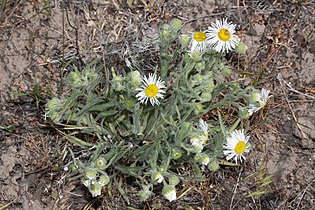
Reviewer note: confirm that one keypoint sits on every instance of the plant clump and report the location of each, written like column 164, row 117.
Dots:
column 116, row 130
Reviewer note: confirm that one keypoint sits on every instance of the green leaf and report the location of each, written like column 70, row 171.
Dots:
column 77, row 141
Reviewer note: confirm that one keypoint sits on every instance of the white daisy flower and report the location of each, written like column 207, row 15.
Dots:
column 262, row 99
column 198, row 41
column 151, row 88
column 221, row 36
column 237, row 144
column 199, row 140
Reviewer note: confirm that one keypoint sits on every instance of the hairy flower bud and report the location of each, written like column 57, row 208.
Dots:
column 54, row 104
column 74, row 167
column 254, row 97
column 243, row 113
column 100, row 163
column 176, row 24
column 95, row 189
column 169, row 192
column 196, row 56
column 74, row 79
column 198, row 109
column 184, row 40
column 176, row 153
column 86, row 182
column 241, row 48
column 90, row 174
column 173, row 180
column 156, row 176
column 213, row 166
column 135, row 79
column 145, row 193
column 104, row 180
column 204, row 159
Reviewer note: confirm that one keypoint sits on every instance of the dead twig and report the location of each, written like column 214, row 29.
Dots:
column 281, row 81
column 234, row 191
column 303, row 193
column 294, row 90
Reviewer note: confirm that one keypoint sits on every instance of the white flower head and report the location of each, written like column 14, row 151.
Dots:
column 237, row 144
column 169, row 192
column 204, row 127
column 222, row 37
column 197, row 141
column 199, row 41
column 262, row 99
column 151, row 88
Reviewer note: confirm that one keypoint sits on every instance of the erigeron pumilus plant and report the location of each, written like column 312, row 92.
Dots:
column 150, row 125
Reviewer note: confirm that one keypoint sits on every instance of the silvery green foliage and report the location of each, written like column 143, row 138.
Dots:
column 149, row 143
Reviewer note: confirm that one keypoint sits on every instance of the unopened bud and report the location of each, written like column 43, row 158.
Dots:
column 241, row 48
column 213, row 166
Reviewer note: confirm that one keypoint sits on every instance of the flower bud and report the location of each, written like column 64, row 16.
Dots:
column 165, row 35
column 169, row 192
column 173, row 180
column 213, row 166
column 100, row 163
column 255, row 96
column 90, row 174
column 243, row 113
column 117, row 79
column 184, row 40
column 86, row 182
column 129, row 103
column 241, row 48
column 176, row 153
column 74, row 167
column 95, row 189
column 197, row 79
column 54, row 104
column 197, row 148
column 166, row 27
column 94, row 75
column 156, row 176
column 196, row 56
column 176, row 24
column 204, row 159
column 104, row 180
column 54, row 116
column 145, row 193
column 206, row 96
column 200, row 66
column 135, row 78
column 198, row 109
column 74, row 79
column 226, row 71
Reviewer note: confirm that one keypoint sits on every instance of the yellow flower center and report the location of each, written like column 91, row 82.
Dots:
column 240, row 147
column 264, row 104
column 205, row 141
column 151, row 91
column 224, row 34
column 200, row 36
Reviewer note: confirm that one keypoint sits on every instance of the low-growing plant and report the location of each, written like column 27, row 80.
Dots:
column 151, row 126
